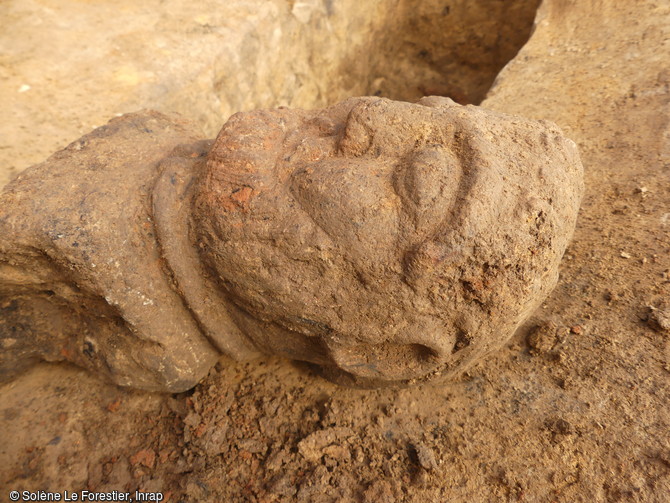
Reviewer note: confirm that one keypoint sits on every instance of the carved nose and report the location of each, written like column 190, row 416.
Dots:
column 390, row 361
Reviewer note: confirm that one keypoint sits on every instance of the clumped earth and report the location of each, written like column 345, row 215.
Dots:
column 573, row 409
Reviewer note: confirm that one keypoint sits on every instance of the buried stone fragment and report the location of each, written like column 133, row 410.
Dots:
column 386, row 242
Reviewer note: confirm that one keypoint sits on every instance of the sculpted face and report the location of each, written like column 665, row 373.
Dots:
column 385, row 241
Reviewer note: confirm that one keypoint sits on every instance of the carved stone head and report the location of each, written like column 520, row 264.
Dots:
column 386, row 241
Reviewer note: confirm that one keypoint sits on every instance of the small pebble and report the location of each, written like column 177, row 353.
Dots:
column 659, row 320
column 425, row 456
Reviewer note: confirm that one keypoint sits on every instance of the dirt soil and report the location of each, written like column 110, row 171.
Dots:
column 209, row 59
column 575, row 408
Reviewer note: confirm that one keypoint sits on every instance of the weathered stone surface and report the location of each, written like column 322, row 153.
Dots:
column 81, row 273
column 384, row 241
column 388, row 240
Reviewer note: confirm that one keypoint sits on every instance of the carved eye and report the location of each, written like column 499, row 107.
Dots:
column 428, row 185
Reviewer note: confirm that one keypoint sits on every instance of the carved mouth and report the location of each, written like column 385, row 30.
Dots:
column 387, row 361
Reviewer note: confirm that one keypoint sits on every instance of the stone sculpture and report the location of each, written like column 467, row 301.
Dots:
column 386, row 242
